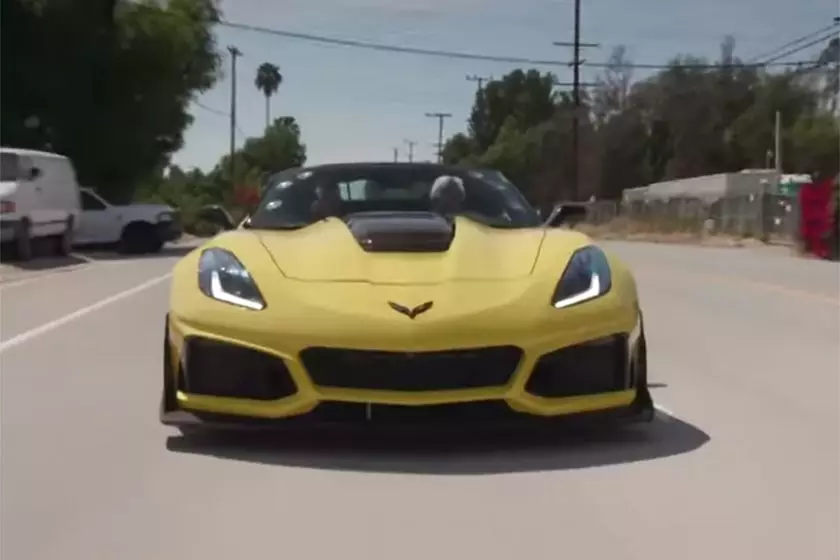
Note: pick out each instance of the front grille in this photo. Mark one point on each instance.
(226, 370)
(403, 371)
(599, 366)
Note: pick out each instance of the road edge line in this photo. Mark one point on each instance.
(52, 325)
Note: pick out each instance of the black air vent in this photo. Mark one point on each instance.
(401, 232)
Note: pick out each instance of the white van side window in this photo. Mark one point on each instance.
(9, 167)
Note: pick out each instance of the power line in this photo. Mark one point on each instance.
(212, 110)
(803, 47)
(460, 55)
(224, 114)
(792, 43)
(311, 37)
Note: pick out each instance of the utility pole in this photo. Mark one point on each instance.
(396, 155)
(439, 117)
(479, 80)
(234, 53)
(575, 64)
(411, 144)
(778, 135)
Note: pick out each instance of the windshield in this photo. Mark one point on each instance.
(296, 198)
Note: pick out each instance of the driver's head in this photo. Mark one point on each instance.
(329, 201)
(447, 194)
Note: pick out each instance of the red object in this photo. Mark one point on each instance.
(815, 216)
(246, 195)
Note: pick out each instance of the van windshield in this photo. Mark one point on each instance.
(9, 167)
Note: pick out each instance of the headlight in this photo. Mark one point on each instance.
(586, 277)
(222, 277)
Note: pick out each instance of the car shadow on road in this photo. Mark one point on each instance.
(43, 258)
(42, 261)
(429, 454)
(104, 254)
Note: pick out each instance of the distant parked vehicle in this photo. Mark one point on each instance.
(39, 198)
(134, 228)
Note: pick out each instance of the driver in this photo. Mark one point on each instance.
(447, 195)
(329, 201)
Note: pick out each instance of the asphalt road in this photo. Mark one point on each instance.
(742, 463)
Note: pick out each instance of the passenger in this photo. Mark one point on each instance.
(447, 195)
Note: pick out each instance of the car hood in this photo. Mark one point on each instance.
(328, 251)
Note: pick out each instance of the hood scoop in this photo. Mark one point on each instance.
(401, 232)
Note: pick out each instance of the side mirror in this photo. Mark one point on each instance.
(34, 173)
(218, 216)
(566, 215)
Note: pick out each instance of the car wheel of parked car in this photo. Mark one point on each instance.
(137, 237)
(23, 241)
(64, 242)
(155, 245)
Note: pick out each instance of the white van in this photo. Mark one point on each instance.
(39, 198)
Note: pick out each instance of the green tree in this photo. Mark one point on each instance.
(689, 119)
(829, 62)
(268, 81)
(278, 149)
(460, 148)
(814, 144)
(526, 96)
(113, 85)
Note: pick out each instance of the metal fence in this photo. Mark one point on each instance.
(770, 217)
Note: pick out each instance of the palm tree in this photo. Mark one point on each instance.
(268, 82)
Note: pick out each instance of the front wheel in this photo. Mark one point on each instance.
(644, 401)
(154, 246)
(138, 237)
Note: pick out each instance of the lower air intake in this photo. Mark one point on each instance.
(221, 369)
(598, 366)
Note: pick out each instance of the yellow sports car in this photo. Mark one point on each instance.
(401, 294)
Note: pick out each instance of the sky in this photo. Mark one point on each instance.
(357, 104)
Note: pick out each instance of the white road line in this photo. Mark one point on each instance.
(84, 257)
(664, 414)
(49, 274)
(52, 325)
(89, 264)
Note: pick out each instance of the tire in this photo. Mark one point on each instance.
(64, 242)
(137, 237)
(168, 399)
(23, 241)
(189, 431)
(644, 400)
(154, 246)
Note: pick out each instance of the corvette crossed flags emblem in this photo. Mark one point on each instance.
(411, 313)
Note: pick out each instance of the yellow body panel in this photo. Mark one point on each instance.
(324, 290)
